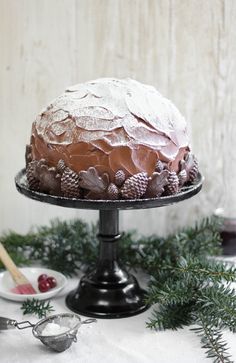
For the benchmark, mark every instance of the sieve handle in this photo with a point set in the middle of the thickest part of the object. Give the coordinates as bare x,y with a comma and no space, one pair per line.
24,325
6,323
88,321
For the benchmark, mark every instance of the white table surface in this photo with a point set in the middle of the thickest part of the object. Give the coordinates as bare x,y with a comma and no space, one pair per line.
107,341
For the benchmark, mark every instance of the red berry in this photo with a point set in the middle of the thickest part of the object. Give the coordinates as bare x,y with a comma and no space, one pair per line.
42,277
44,286
52,281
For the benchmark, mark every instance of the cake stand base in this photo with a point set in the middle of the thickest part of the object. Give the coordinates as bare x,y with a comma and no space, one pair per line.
109,291
110,302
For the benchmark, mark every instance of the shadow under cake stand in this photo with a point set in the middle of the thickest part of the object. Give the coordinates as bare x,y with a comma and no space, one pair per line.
109,291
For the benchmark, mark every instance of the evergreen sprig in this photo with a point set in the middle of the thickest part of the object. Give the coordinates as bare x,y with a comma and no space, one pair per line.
171,291
193,268
37,307
18,246
66,246
218,302
171,316
212,341
189,285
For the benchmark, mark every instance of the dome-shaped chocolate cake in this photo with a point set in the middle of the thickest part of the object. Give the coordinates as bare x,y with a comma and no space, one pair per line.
110,139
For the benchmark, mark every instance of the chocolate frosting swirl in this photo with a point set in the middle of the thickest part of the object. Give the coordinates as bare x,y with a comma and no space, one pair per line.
111,124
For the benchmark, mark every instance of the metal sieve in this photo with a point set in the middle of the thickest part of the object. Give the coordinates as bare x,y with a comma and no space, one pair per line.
57,342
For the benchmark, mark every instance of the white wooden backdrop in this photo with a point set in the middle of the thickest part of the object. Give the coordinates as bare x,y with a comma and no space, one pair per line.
186,48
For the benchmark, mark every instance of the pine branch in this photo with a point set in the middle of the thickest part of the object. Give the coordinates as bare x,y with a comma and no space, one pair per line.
171,317
66,246
203,239
37,307
171,291
212,341
182,283
218,304
18,247
203,269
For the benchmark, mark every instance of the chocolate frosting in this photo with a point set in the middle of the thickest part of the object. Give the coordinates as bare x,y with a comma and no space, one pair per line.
111,124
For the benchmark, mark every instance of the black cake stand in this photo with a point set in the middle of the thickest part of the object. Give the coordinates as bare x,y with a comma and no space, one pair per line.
109,291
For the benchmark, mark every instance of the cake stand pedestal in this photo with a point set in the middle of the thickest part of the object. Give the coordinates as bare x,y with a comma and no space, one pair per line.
109,291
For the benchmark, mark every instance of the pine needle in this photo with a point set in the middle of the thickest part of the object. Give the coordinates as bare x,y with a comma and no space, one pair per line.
212,341
37,307
171,317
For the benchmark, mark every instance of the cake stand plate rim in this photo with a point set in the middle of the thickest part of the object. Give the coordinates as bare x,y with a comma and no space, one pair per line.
20,182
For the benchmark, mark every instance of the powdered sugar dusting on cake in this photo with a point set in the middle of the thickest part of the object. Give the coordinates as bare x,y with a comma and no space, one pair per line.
108,104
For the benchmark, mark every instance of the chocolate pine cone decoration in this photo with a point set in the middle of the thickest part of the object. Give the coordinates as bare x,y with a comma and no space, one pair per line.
190,164
61,166
193,172
31,175
173,184
70,184
89,184
119,177
28,154
182,177
112,191
135,186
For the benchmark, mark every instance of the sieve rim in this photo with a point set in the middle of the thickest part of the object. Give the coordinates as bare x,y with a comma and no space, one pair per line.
68,315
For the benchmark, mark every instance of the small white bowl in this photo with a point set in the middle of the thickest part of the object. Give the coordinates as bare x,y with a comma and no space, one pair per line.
32,274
